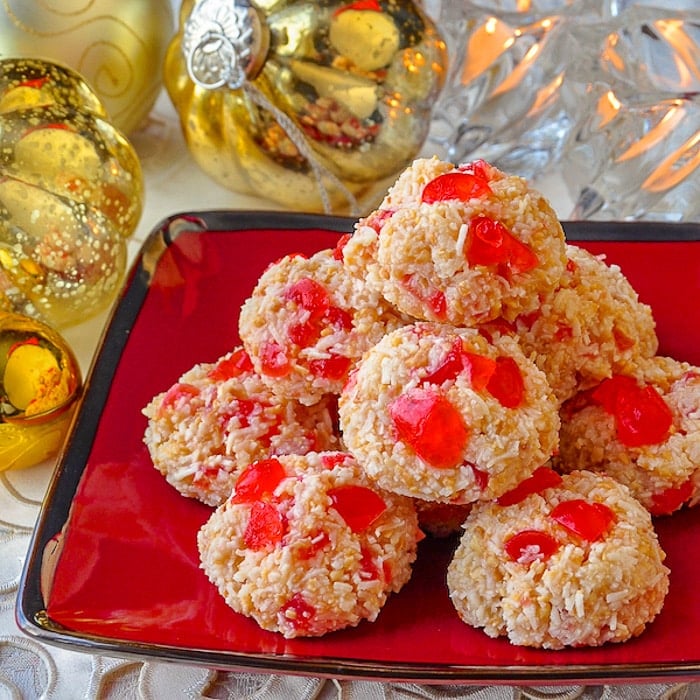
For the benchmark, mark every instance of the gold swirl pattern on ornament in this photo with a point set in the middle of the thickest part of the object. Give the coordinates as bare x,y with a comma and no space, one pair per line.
105,47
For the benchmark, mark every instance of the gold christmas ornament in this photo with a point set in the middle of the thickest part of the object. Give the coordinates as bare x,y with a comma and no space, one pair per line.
71,192
118,47
39,383
315,106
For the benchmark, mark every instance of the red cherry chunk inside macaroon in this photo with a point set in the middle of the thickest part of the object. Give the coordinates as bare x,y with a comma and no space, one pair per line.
298,613
671,499
427,422
589,520
309,294
480,369
273,360
333,368
266,527
331,460
459,185
424,291
358,506
180,392
448,367
258,481
542,478
310,547
377,219
371,569
481,476
506,384
338,250
527,546
607,392
236,364
457,360
490,243
642,417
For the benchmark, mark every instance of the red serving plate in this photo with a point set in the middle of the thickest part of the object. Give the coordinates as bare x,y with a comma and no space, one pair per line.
113,567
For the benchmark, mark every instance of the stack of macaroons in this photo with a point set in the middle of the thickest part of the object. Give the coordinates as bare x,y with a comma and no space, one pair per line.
475,356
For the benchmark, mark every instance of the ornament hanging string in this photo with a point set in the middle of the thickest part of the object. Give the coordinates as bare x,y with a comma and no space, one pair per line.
216,56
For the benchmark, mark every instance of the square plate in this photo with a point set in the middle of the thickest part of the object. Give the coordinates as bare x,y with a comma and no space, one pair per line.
113,566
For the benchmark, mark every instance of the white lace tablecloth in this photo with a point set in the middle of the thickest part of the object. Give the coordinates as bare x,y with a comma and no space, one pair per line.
29,670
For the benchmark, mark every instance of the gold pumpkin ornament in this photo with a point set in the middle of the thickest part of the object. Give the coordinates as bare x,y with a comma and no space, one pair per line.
71,192
315,106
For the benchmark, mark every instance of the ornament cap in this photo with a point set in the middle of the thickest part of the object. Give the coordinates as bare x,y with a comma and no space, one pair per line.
225,43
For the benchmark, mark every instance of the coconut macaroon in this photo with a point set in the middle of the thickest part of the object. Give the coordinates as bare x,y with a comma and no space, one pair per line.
308,321
573,564
641,428
474,245
590,327
218,418
307,544
360,249
440,414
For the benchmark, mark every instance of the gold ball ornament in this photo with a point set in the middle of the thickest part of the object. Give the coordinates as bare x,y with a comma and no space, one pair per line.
314,106
71,192
118,47
40,382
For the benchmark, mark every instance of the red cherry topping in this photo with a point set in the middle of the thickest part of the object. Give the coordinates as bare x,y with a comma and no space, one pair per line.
377,219
490,243
431,425
642,417
340,318
265,527
587,520
476,167
332,368
338,250
448,368
542,478
527,546
274,361
331,460
671,499
358,506
237,363
606,394
480,369
304,333
258,481
298,612
177,393
308,294
456,185
520,257
506,383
